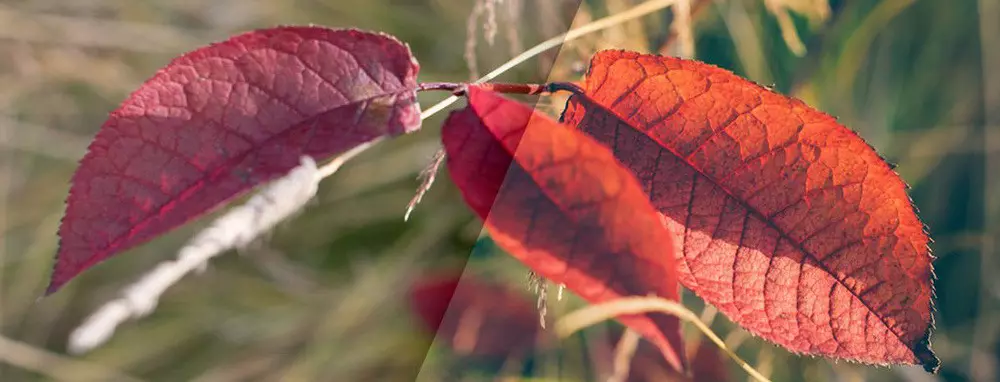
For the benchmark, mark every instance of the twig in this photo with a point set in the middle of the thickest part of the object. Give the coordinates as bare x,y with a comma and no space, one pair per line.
236,229
597,25
53,366
594,314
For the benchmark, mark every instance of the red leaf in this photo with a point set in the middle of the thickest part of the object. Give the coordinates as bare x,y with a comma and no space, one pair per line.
707,363
559,202
786,221
474,317
218,120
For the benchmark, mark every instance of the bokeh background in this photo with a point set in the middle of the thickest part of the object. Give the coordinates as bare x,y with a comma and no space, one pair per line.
326,297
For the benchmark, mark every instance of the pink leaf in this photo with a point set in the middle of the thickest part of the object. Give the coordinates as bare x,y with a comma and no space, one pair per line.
223,118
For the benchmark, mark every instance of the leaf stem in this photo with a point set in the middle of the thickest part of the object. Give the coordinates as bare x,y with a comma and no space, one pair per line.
573,34
439,86
594,314
458,89
597,25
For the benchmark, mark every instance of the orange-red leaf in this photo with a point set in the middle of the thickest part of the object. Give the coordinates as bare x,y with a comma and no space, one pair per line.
560,202
788,222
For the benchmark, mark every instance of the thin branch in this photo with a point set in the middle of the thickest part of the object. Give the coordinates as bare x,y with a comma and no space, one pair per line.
594,314
597,25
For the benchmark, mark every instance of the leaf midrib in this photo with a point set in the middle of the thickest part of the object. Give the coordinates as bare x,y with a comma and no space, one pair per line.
798,246
212,172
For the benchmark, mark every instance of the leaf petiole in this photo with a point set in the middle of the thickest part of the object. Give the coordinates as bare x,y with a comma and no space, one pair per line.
459,89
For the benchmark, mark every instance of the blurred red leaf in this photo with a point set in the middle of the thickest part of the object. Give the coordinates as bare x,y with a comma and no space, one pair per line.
559,202
475,318
788,222
221,119
707,363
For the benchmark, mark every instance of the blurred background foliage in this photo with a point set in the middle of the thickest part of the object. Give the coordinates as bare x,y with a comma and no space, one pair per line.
324,298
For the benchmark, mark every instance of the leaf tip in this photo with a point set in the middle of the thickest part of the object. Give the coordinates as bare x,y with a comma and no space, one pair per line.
57,278
925,356
53,287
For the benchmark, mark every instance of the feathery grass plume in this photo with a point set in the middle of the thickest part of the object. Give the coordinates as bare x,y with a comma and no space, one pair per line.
540,286
471,60
635,12
490,22
236,229
510,27
426,177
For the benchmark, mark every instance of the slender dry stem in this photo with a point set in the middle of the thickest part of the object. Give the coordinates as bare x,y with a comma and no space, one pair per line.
426,177
594,314
597,25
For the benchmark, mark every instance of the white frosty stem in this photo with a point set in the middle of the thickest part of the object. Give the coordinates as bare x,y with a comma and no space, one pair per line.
237,228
